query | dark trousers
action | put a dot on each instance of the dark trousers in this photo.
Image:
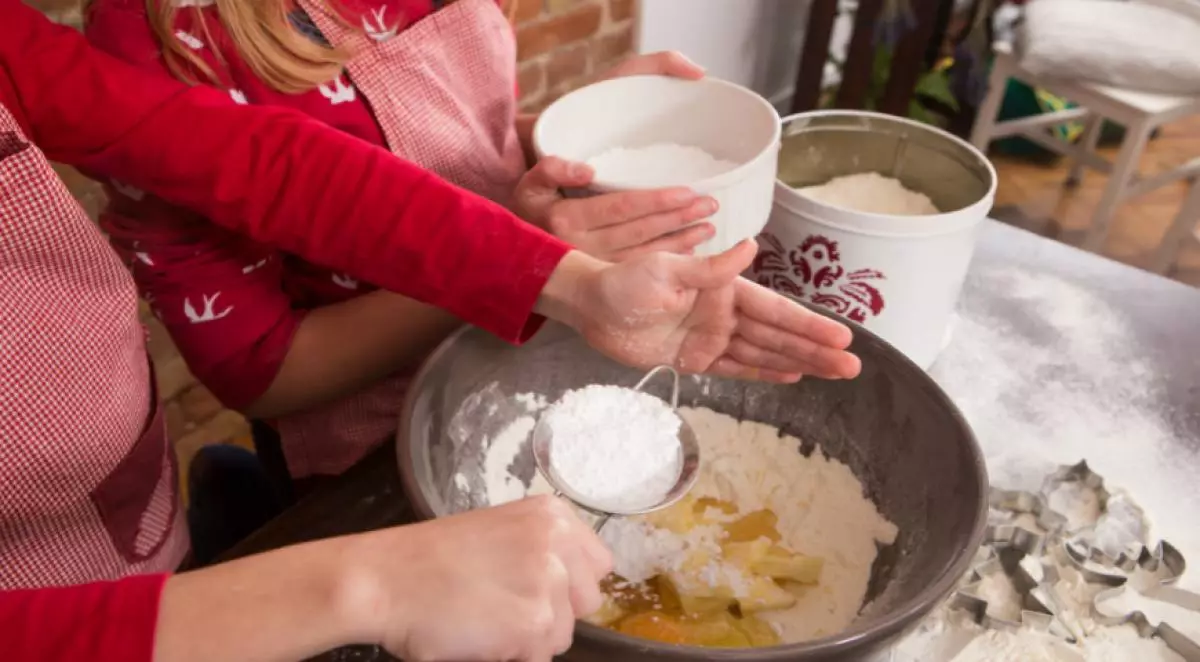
(233, 492)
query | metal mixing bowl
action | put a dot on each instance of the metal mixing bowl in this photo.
(892, 426)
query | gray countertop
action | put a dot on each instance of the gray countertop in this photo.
(1058, 356)
(1055, 350)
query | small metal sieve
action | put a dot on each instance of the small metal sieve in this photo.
(689, 465)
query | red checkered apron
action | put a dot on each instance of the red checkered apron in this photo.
(88, 484)
(443, 91)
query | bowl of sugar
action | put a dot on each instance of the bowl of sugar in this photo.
(826, 519)
(646, 132)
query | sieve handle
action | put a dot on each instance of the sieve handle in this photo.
(674, 389)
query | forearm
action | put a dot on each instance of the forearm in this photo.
(283, 606)
(342, 348)
(277, 177)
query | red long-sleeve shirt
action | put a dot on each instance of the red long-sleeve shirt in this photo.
(178, 259)
(272, 175)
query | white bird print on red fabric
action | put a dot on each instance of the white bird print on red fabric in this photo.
(338, 93)
(379, 29)
(128, 191)
(813, 271)
(250, 268)
(208, 314)
(342, 280)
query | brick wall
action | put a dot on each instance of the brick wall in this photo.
(563, 43)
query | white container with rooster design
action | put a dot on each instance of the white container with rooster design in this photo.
(899, 276)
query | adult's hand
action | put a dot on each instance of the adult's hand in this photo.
(505, 583)
(698, 315)
(663, 63)
(612, 226)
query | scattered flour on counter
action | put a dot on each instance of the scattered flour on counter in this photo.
(658, 165)
(1122, 644)
(1070, 384)
(1023, 646)
(1077, 502)
(1003, 600)
(871, 193)
(1183, 619)
(615, 447)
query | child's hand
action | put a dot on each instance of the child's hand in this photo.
(612, 226)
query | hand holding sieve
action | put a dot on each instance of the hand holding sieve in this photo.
(689, 449)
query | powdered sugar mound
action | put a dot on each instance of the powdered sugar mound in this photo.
(657, 165)
(615, 447)
(641, 551)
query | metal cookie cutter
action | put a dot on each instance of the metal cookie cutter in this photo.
(1115, 534)
(1012, 565)
(1024, 521)
(1153, 578)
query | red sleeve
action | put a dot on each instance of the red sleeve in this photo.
(278, 178)
(103, 622)
(219, 295)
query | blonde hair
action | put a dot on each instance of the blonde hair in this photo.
(266, 40)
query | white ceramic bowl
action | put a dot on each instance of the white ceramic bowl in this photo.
(727, 121)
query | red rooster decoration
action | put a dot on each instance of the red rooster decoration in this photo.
(813, 271)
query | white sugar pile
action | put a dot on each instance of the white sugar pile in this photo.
(871, 193)
(615, 447)
(657, 165)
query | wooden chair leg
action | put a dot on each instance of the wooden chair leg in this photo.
(1184, 225)
(1124, 168)
(1088, 142)
(985, 118)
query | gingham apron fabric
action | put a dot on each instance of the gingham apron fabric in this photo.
(88, 483)
(443, 91)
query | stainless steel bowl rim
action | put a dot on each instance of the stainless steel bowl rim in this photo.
(875, 627)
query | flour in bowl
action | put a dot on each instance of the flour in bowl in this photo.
(871, 193)
(616, 447)
(820, 511)
(657, 165)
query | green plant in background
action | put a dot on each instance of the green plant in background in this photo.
(933, 85)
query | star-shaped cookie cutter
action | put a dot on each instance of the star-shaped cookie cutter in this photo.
(1017, 559)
